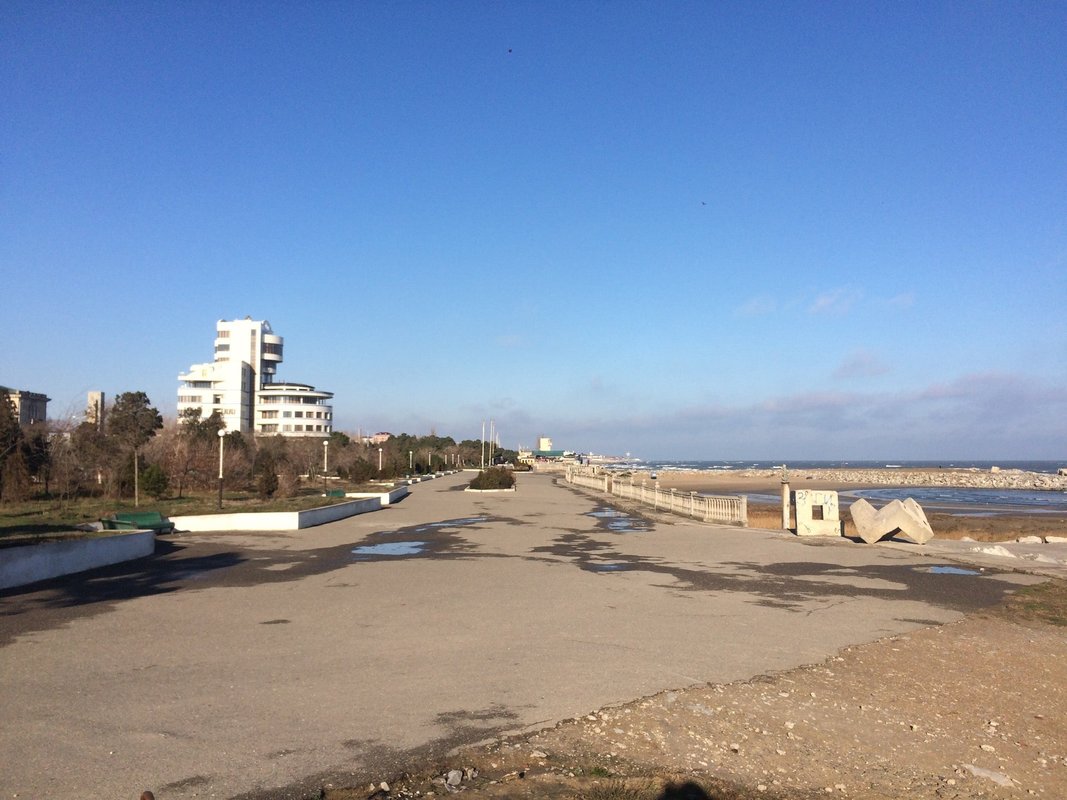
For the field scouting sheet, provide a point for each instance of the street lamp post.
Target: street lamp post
(222, 443)
(379, 459)
(411, 461)
(325, 463)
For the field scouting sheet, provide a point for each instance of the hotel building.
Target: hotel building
(239, 384)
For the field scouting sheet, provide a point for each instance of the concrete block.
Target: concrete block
(913, 523)
(865, 518)
(905, 518)
(818, 513)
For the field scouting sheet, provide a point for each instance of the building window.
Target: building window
(287, 414)
(216, 399)
(224, 335)
(189, 398)
(268, 428)
(221, 348)
(298, 413)
(287, 427)
(269, 414)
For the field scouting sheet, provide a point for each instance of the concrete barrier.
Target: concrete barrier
(277, 520)
(387, 498)
(39, 562)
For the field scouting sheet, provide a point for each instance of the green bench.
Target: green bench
(138, 521)
(335, 493)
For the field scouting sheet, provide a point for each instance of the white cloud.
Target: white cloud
(860, 364)
(836, 302)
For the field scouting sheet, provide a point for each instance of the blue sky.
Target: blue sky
(683, 230)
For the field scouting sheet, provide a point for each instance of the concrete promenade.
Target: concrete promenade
(244, 663)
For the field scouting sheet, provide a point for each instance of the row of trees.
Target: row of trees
(134, 451)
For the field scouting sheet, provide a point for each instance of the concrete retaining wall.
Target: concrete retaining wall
(22, 565)
(387, 498)
(276, 520)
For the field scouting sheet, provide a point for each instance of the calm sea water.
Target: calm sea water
(794, 466)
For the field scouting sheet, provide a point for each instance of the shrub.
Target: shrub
(155, 482)
(266, 475)
(494, 478)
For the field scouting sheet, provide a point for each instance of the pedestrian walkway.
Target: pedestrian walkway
(232, 662)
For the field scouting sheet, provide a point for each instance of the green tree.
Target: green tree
(15, 484)
(10, 433)
(155, 482)
(37, 450)
(131, 422)
(266, 470)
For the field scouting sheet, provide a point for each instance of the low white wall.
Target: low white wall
(275, 520)
(387, 498)
(318, 516)
(38, 562)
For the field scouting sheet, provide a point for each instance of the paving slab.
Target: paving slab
(259, 665)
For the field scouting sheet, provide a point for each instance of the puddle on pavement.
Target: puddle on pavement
(953, 571)
(389, 549)
(618, 521)
(592, 566)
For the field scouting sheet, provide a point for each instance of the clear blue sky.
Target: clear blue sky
(683, 229)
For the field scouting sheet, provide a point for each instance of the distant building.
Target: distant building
(381, 437)
(31, 408)
(94, 409)
(544, 452)
(239, 385)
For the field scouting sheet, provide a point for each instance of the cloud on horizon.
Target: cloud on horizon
(976, 416)
(860, 364)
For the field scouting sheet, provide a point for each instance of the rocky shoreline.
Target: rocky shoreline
(955, 478)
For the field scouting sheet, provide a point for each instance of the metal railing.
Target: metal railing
(726, 509)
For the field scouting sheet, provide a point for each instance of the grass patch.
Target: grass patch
(53, 519)
(1043, 602)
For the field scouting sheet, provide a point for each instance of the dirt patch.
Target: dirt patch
(975, 709)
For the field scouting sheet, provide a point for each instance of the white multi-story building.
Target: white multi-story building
(239, 384)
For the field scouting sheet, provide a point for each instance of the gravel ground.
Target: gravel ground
(974, 709)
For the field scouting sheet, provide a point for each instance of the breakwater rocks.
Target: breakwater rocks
(956, 478)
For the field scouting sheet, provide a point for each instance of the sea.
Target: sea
(982, 466)
(959, 501)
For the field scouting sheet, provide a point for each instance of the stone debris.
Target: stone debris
(994, 550)
(999, 778)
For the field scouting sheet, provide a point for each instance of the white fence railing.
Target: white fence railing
(727, 509)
